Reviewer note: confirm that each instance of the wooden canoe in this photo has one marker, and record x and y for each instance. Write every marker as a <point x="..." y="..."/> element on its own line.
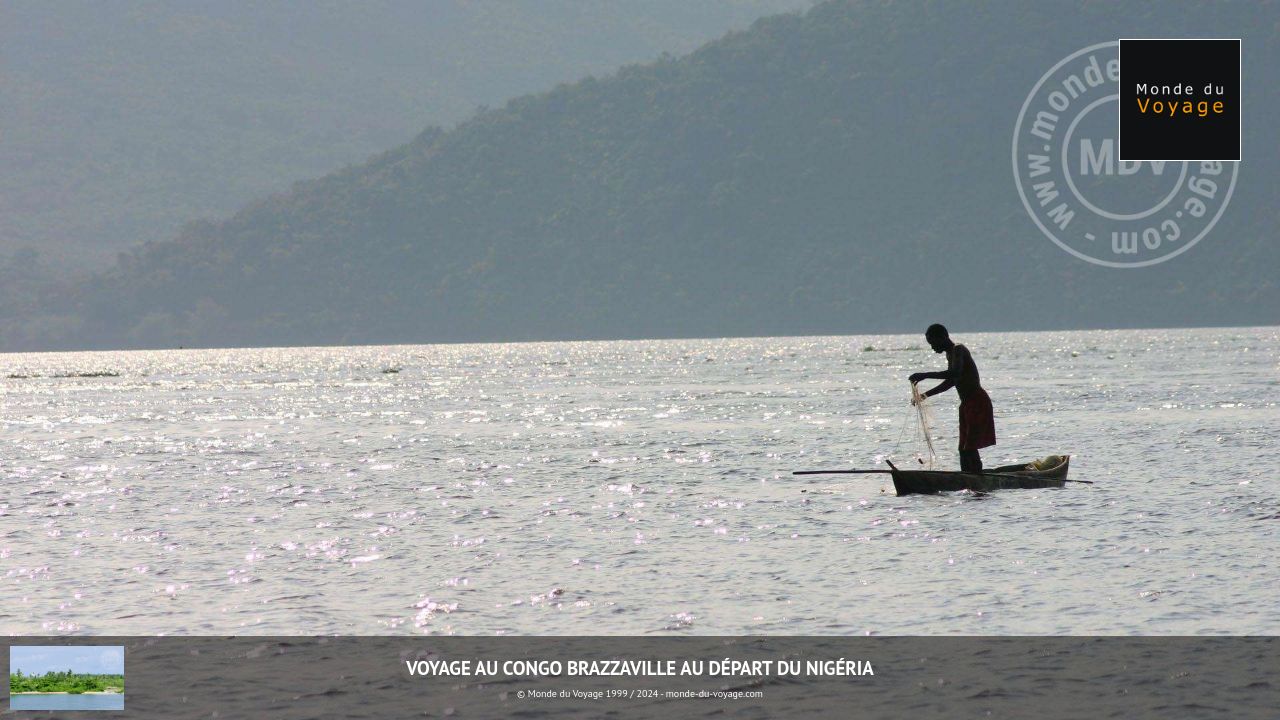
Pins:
<point x="909" y="482"/>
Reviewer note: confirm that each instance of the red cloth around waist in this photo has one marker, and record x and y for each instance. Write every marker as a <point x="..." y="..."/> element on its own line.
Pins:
<point x="977" y="421"/>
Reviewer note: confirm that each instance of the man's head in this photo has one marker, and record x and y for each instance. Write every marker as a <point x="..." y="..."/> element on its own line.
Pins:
<point x="938" y="338"/>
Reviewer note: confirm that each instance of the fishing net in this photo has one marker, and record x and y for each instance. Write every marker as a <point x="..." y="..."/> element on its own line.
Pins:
<point x="925" y="454"/>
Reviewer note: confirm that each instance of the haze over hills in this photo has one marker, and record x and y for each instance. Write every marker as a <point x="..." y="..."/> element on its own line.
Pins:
<point x="842" y="171"/>
<point x="123" y="121"/>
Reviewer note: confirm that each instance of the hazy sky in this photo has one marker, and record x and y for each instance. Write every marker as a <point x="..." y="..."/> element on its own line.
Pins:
<point x="87" y="659"/>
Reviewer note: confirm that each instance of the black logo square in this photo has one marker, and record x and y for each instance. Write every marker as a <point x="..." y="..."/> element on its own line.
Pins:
<point x="1179" y="99"/>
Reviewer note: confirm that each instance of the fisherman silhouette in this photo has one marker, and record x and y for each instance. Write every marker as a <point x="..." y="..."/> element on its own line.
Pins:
<point x="977" y="419"/>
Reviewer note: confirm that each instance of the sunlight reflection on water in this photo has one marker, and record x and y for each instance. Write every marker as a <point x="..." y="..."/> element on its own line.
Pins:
<point x="636" y="487"/>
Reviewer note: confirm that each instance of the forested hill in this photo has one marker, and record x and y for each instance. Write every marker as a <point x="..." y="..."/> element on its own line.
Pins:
<point x="847" y="170"/>
<point x="121" y="121"/>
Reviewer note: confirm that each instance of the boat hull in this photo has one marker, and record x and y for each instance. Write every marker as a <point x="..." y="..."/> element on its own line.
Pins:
<point x="1009" y="477"/>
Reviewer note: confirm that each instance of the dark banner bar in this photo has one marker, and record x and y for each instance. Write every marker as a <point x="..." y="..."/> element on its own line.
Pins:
<point x="630" y="677"/>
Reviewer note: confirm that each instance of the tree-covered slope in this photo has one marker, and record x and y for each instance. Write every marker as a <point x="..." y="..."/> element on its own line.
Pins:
<point x="842" y="171"/>
<point x="122" y="121"/>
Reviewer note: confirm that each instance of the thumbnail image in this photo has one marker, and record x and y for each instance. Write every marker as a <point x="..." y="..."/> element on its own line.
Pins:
<point x="66" y="677"/>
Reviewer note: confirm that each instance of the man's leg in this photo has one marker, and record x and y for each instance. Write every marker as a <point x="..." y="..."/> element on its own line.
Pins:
<point x="970" y="461"/>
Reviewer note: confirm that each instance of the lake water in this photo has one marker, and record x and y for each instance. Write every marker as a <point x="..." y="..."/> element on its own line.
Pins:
<point x="67" y="702"/>
<point x="637" y="488"/>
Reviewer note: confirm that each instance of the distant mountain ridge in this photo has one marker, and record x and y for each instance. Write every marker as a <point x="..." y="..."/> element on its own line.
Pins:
<point x="842" y="171"/>
<point x="123" y="121"/>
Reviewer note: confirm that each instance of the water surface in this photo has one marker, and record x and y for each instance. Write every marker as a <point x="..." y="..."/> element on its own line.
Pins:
<point x="636" y="488"/>
<point x="56" y="701"/>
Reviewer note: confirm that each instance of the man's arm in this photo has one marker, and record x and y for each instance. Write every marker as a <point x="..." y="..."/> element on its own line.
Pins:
<point x="942" y="387"/>
<point x="955" y="363"/>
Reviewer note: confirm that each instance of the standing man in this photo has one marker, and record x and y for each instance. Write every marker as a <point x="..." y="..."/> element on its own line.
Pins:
<point x="977" y="419"/>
